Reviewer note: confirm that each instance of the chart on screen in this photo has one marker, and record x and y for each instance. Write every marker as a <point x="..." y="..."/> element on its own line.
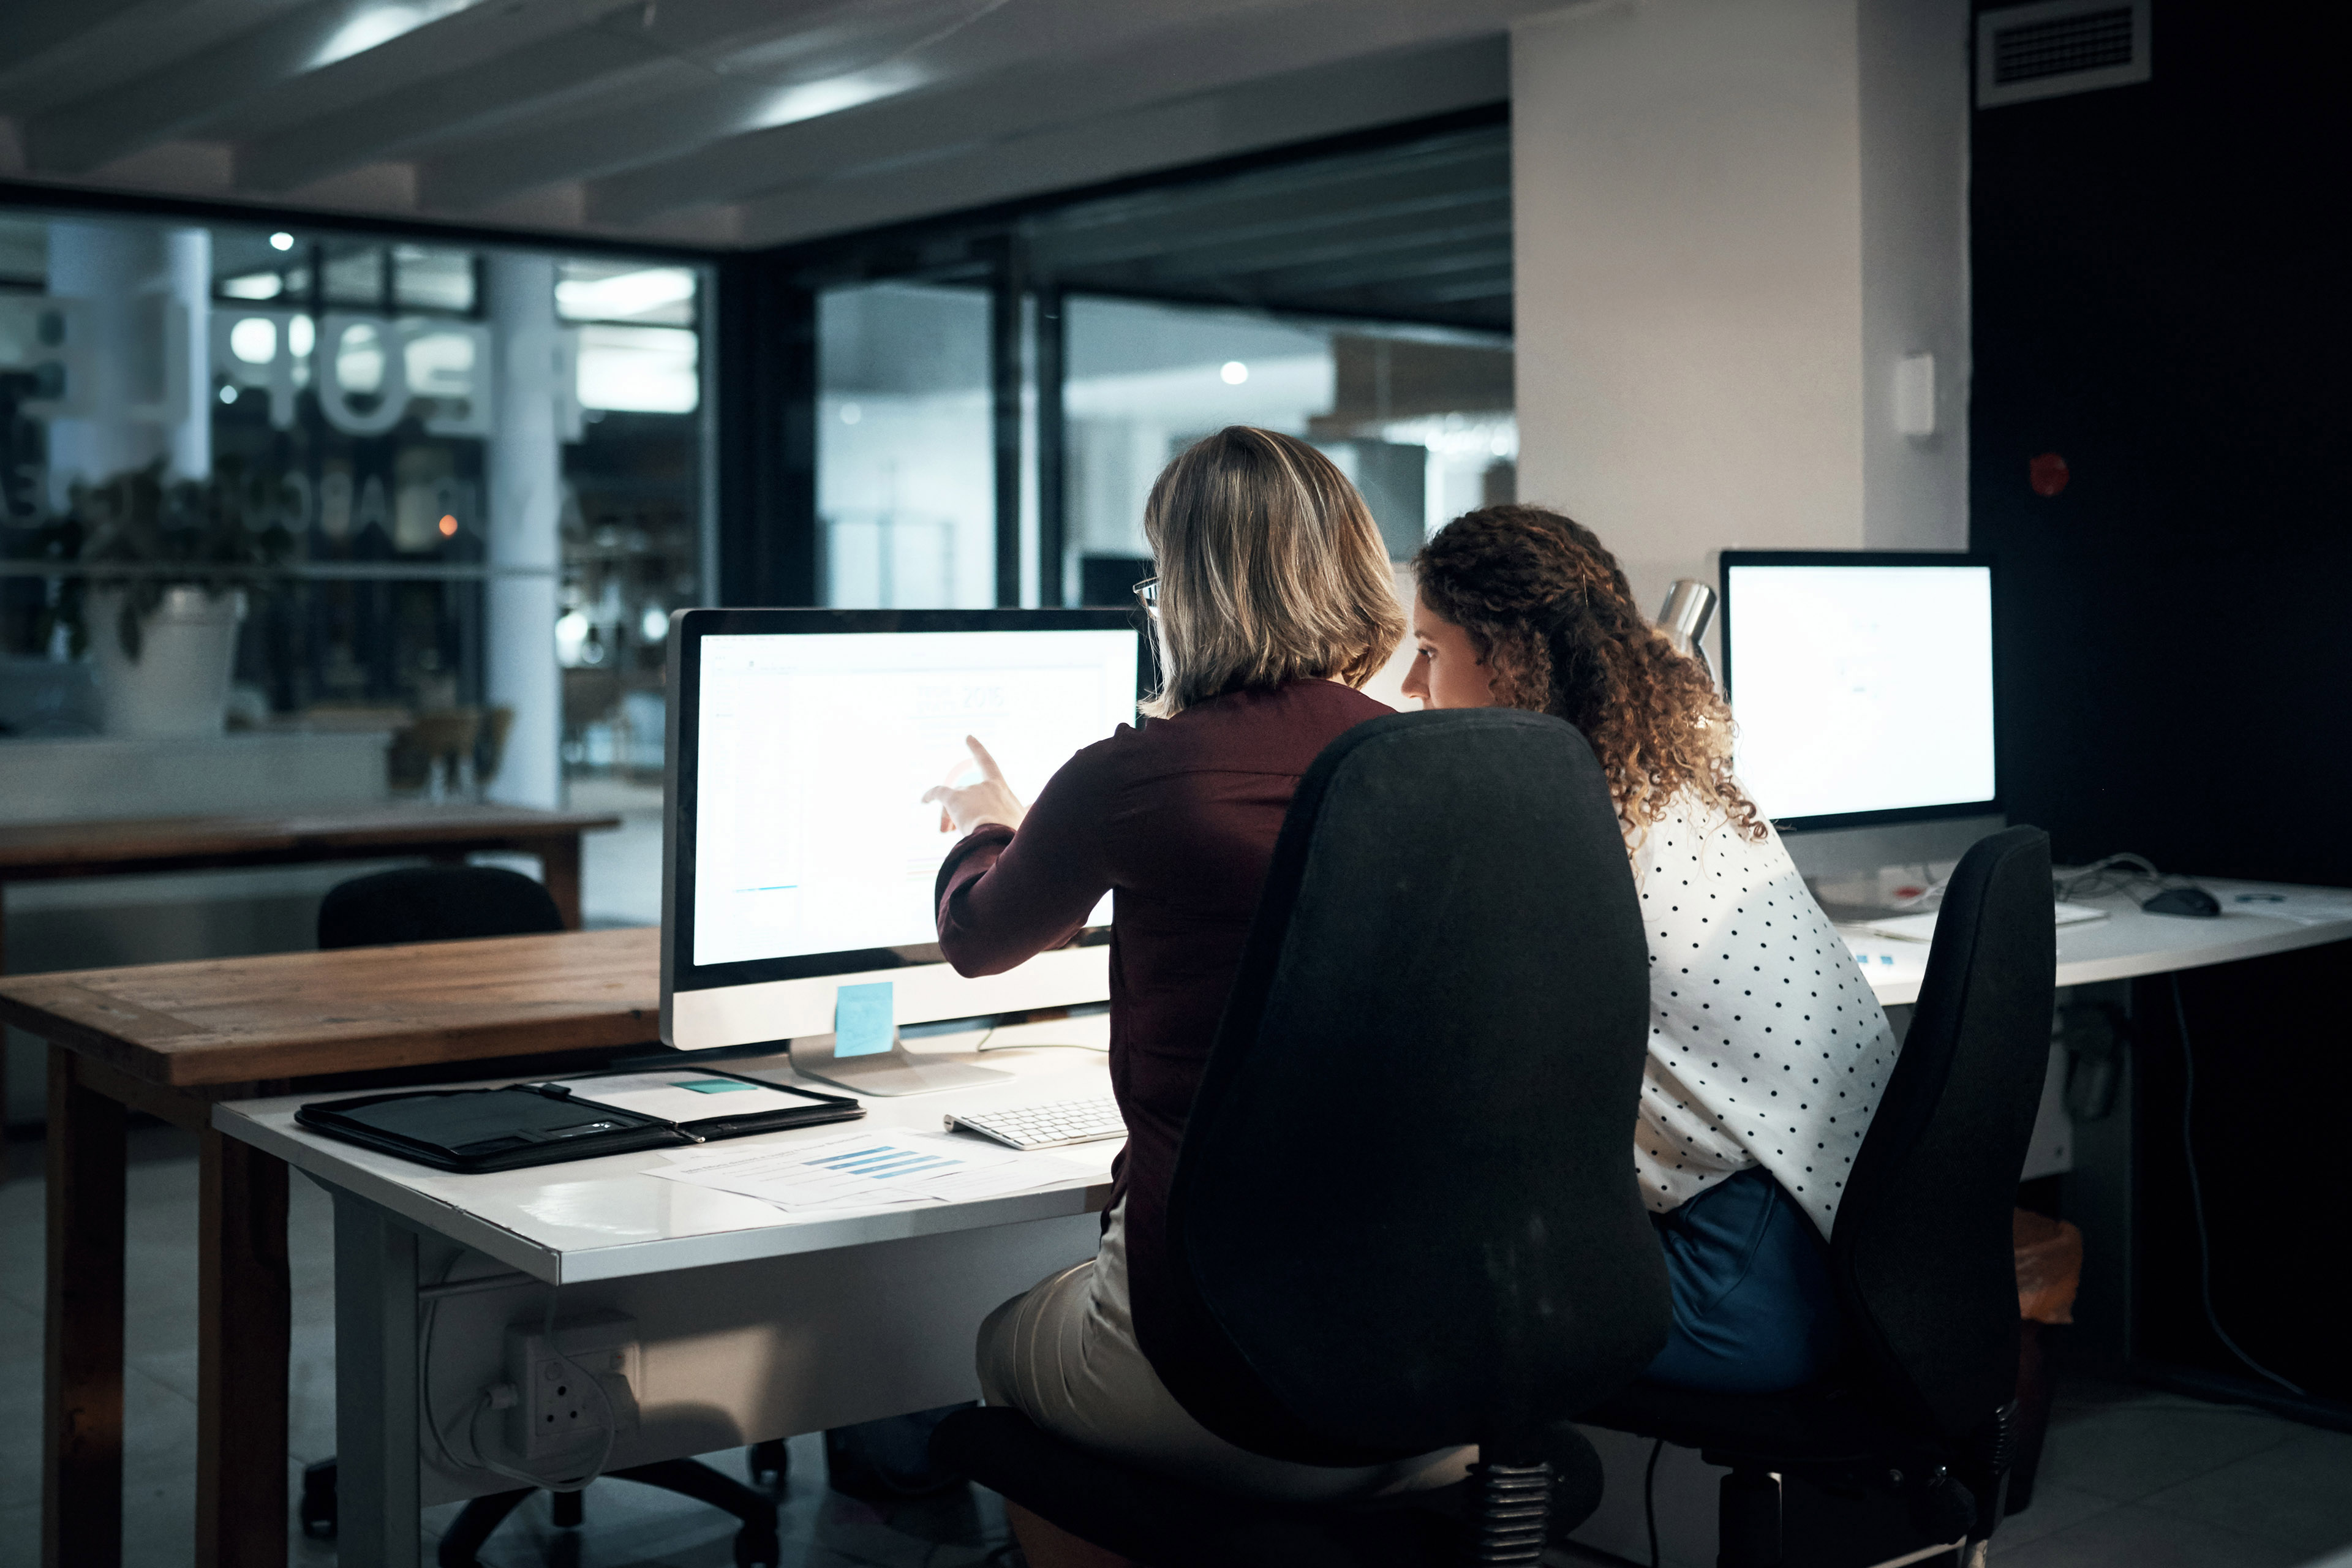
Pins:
<point x="815" y="752"/>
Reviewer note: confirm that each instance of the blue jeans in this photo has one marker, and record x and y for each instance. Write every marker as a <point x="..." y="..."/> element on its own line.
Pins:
<point x="1754" y="1311"/>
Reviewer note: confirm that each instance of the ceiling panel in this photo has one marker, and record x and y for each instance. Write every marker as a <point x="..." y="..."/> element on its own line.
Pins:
<point x="743" y="121"/>
<point x="1420" y="231"/>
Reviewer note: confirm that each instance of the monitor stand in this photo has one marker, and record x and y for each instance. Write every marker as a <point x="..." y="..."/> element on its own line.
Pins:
<point x="891" y="1072"/>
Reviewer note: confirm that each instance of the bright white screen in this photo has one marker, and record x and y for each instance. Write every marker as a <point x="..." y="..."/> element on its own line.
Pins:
<point x="815" y="751"/>
<point x="1862" y="688"/>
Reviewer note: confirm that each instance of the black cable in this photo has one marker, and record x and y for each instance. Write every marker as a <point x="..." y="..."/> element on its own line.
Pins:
<point x="2112" y="875"/>
<point x="1650" y="1497"/>
<point x="984" y="1046"/>
<point x="2197" y="1194"/>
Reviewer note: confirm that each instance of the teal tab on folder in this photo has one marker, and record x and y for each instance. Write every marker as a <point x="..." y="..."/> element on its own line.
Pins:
<point x="862" y="1021"/>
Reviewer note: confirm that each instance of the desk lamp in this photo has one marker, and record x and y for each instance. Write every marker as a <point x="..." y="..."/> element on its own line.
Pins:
<point x="1690" y="606"/>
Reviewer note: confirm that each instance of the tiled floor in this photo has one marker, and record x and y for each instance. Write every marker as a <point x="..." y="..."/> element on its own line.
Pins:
<point x="2149" y="1479"/>
<point x="2130" y="1478"/>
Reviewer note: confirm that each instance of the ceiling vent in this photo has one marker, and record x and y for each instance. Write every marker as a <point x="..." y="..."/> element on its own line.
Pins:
<point x="2026" y="52"/>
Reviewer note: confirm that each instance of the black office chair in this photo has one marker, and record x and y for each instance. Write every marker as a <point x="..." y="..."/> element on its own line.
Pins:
<point x="1921" y="1253"/>
<point x="448" y="903"/>
<point x="434" y="903"/>
<point x="1405" y="1204"/>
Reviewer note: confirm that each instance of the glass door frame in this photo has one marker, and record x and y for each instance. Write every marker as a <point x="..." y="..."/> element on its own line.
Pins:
<point x="768" y="395"/>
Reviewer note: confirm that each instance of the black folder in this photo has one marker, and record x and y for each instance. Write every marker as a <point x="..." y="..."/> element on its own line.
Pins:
<point x="472" y="1130"/>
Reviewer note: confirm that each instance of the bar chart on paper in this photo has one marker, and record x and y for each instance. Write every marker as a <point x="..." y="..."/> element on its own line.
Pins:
<point x="867" y="1169"/>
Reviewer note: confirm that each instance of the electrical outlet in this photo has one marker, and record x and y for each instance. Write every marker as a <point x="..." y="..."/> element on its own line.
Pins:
<point x="557" y="1411"/>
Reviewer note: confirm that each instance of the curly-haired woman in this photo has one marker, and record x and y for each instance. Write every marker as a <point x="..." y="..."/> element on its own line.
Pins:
<point x="1768" y="1051"/>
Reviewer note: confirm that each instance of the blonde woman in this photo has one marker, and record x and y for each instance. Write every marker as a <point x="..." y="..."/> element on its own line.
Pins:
<point x="1272" y="605"/>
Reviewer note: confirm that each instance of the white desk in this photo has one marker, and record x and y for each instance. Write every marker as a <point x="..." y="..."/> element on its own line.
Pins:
<point x="2131" y="942"/>
<point x="788" y="1323"/>
<point x="781" y="1324"/>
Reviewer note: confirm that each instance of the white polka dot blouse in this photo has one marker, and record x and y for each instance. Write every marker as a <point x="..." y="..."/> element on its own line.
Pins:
<point x="1767" y="1047"/>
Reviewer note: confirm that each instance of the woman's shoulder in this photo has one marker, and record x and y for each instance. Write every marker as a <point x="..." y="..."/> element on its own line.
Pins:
<point x="1691" y="827"/>
<point x="1280" y="730"/>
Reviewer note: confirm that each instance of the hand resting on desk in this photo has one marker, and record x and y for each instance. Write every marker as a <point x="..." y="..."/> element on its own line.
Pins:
<point x="966" y="807"/>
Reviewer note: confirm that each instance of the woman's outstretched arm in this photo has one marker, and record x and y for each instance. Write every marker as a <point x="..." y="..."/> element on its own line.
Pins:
<point x="1004" y="895"/>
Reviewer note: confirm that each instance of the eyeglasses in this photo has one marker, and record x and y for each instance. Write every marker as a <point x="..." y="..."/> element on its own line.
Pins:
<point x="1147" y="594"/>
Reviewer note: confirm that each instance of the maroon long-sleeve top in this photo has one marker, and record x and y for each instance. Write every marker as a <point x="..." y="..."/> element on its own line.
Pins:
<point x="1177" y="819"/>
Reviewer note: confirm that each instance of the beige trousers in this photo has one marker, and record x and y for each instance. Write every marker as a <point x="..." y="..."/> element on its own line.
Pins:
<point x="1064" y="1356"/>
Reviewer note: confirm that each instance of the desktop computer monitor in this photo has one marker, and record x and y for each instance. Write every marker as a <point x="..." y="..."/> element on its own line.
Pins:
<point x="798" y="855"/>
<point x="1861" y="685"/>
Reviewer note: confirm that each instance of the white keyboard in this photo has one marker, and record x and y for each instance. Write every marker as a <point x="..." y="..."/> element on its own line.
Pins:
<point x="1046" y="1126"/>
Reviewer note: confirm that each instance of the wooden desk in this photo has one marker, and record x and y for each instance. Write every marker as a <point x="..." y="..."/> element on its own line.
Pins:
<point x="45" y="851"/>
<point x="39" y="851"/>
<point x="171" y="1038"/>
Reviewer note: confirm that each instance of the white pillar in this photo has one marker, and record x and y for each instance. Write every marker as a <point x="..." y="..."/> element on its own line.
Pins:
<point x="148" y="292"/>
<point x="1915" y="267"/>
<point x="525" y="484"/>
<point x="1732" y="217"/>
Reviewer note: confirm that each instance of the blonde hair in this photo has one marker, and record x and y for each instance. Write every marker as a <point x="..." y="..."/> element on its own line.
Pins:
<point x="1271" y="570"/>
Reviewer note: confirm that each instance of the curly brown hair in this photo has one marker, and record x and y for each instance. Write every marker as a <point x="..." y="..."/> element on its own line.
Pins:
<point x="1552" y="616"/>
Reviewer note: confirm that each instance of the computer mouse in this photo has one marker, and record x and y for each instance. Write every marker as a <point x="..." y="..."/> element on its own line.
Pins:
<point x="2184" y="901"/>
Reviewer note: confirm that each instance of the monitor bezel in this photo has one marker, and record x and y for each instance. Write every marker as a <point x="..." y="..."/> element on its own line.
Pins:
<point x="687" y="628"/>
<point x="1730" y="559"/>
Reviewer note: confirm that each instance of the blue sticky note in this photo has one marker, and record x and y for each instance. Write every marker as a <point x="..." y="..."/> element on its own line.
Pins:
<point x="862" y="1021"/>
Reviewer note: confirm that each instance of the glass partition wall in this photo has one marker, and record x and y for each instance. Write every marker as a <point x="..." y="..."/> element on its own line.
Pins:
<point x="916" y="508"/>
<point x="1419" y="418"/>
<point x="462" y="487"/>
<point x="905" y="439"/>
<point x="993" y="397"/>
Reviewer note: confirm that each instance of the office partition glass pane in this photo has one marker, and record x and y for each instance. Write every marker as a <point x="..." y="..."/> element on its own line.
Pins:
<point x="480" y="473"/>
<point x="1419" y="418"/>
<point x="905" y="487"/>
<point x="632" y="503"/>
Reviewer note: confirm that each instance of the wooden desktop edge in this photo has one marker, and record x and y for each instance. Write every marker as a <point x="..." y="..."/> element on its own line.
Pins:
<point x="86" y="1012"/>
<point x="25" y="848"/>
<point x="214" y="1063"/>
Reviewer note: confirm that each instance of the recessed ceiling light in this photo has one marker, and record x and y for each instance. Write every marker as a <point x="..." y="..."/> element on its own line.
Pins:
<point x="1235" y="373"/>
<point x="281" y="240"/>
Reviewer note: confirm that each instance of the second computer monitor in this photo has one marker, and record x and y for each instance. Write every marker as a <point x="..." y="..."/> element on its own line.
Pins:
<point x="1861" y="684"/>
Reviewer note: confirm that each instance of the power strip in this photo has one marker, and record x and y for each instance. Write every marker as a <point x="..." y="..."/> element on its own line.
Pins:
<point x="556" y="1412"/>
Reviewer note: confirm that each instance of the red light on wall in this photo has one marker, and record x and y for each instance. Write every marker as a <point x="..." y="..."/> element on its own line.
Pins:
<point x="448" y="528"/>
<point x="2047" y="474"/>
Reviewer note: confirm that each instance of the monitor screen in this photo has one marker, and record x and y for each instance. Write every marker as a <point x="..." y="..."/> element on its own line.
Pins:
<point x="810" y="751"/>
<point x="1861" y="685"/>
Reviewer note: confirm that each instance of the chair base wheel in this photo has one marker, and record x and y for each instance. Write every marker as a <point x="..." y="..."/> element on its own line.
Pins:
<point x="1748" y="1518"/>
<point x="318" y="1512"/>
<point x="757" y="1548"/>
<point x="771" y="1463"/>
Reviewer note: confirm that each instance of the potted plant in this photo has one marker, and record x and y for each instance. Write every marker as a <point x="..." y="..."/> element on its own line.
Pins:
<point x="165" y="568"/>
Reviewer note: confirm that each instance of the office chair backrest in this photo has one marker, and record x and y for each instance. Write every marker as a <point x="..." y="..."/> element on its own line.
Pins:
<point x="434" y="903"/>
<point x="1922" y="1252"/>
<point x="1405" y="1198"/>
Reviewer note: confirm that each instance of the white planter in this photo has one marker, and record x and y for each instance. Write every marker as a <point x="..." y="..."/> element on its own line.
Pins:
<point x="179" y="685"/>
